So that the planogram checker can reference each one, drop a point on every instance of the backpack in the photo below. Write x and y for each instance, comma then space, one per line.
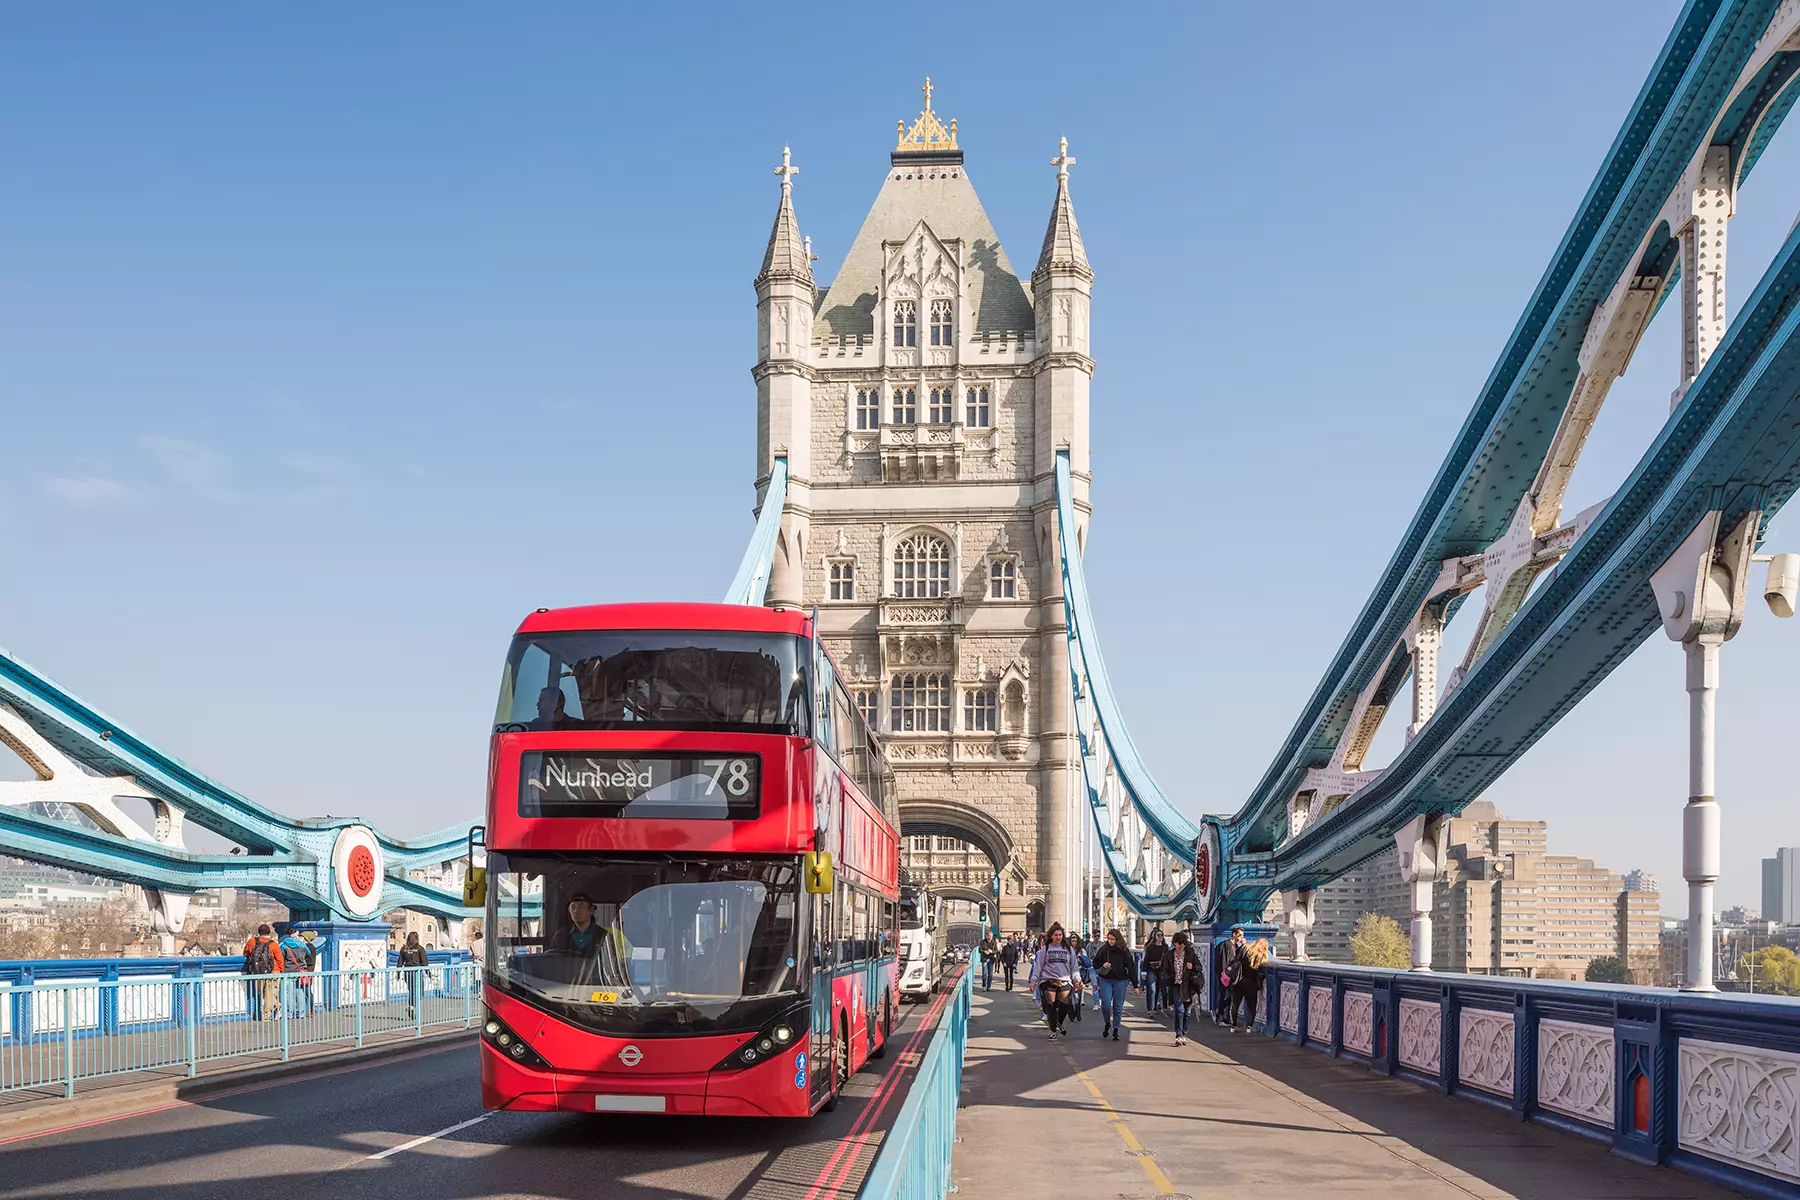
261, 959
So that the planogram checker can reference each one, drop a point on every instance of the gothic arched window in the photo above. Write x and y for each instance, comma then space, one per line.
977, 416
919, 704
906, 323
943, 405
906, 406
940, 323
922, 568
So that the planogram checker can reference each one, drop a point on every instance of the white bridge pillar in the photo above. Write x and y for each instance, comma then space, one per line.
1420, 843
1300, 920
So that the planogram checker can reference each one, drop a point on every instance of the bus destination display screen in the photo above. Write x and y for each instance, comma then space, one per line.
679, 787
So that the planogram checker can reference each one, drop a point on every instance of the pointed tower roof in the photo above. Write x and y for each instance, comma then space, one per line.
786, 257
1062, 240
926, 182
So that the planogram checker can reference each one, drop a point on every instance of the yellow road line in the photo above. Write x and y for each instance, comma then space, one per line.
1158, 1179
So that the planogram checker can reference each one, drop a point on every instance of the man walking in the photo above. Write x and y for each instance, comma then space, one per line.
1009, 960
989, 950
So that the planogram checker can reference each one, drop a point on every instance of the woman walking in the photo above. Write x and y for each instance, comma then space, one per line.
1246, 990
1114, 970
1156, 951
1181, 982
1056, 972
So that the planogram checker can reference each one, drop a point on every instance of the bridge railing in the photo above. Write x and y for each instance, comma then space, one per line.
56, 1035
914, 1160
1704, 1082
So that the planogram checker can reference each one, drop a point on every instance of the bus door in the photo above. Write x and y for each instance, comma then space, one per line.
824, 1029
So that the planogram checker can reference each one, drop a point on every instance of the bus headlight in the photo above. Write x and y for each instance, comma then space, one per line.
496, 1034
765, 1044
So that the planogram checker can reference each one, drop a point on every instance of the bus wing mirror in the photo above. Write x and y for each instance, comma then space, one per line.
474, 877
820, 877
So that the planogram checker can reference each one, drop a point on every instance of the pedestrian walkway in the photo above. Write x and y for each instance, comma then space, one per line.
1243, 1115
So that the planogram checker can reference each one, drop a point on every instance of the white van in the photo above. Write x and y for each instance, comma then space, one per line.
918, 965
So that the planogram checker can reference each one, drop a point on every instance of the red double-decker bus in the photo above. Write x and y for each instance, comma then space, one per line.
692, 874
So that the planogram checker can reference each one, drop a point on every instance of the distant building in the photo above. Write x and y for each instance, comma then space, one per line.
1737, 914
1641, 880
1781, 886
1503, 905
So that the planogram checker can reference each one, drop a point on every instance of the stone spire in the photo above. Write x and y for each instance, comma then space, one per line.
786, 257
1063, 250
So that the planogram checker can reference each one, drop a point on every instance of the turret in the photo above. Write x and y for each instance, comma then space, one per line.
784, 374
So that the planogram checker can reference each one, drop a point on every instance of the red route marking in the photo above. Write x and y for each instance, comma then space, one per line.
253, 1087
858, 1135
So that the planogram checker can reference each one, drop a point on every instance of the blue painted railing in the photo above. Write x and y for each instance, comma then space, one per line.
1701, 1082
914, 1160
751, 583
58, 1033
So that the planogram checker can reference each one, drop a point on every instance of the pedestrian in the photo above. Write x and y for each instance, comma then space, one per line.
477, 951
1247, 989
1009, 960
1056, 972
1228, 967
989, 951
1180, 981
1087, 975
297, 962
412, 965
1115, 969
1155, 952
262, 965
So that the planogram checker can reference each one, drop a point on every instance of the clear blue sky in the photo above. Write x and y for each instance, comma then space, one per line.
332, 341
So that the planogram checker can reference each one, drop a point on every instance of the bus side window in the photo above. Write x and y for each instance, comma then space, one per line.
865, 946
887, 928
846, 738
846, 905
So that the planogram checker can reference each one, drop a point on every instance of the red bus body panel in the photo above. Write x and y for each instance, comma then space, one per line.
796, 777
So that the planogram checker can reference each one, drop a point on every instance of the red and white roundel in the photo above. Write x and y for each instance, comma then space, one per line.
1209, 870
357, 868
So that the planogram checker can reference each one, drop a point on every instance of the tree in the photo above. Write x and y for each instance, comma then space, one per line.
1606, 970
1775, 969
1380, 942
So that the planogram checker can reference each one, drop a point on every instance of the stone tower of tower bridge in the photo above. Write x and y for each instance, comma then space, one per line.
919, 398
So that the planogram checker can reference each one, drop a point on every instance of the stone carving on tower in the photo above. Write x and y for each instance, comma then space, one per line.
919, 398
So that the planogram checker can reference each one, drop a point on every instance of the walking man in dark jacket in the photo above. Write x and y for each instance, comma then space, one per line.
1229, 969
1009, 960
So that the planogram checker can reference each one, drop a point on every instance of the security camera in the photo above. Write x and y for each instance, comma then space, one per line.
1783, 584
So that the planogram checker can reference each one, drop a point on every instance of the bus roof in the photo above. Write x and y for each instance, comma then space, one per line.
747, 618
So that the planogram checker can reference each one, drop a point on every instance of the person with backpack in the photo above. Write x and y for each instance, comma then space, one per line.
1087, 974
297, 965
262, 963
1229, 966
1248, 986
413, 961
1057, 973
1115, 968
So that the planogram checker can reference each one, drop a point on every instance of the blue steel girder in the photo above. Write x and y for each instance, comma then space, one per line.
1502, 443
75, 748
751, 583
1732, 446
1091, 695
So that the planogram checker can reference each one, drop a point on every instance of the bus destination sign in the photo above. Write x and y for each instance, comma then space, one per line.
679, 787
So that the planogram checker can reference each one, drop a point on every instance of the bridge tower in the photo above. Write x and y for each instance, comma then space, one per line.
919, 399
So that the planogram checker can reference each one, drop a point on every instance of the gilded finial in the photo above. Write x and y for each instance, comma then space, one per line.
927, 133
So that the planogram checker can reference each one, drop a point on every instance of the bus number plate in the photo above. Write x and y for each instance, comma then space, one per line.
605, 998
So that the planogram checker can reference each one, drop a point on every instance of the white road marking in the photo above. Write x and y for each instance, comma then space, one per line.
430, 1137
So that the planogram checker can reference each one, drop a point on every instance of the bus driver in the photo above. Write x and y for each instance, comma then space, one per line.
590, 940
